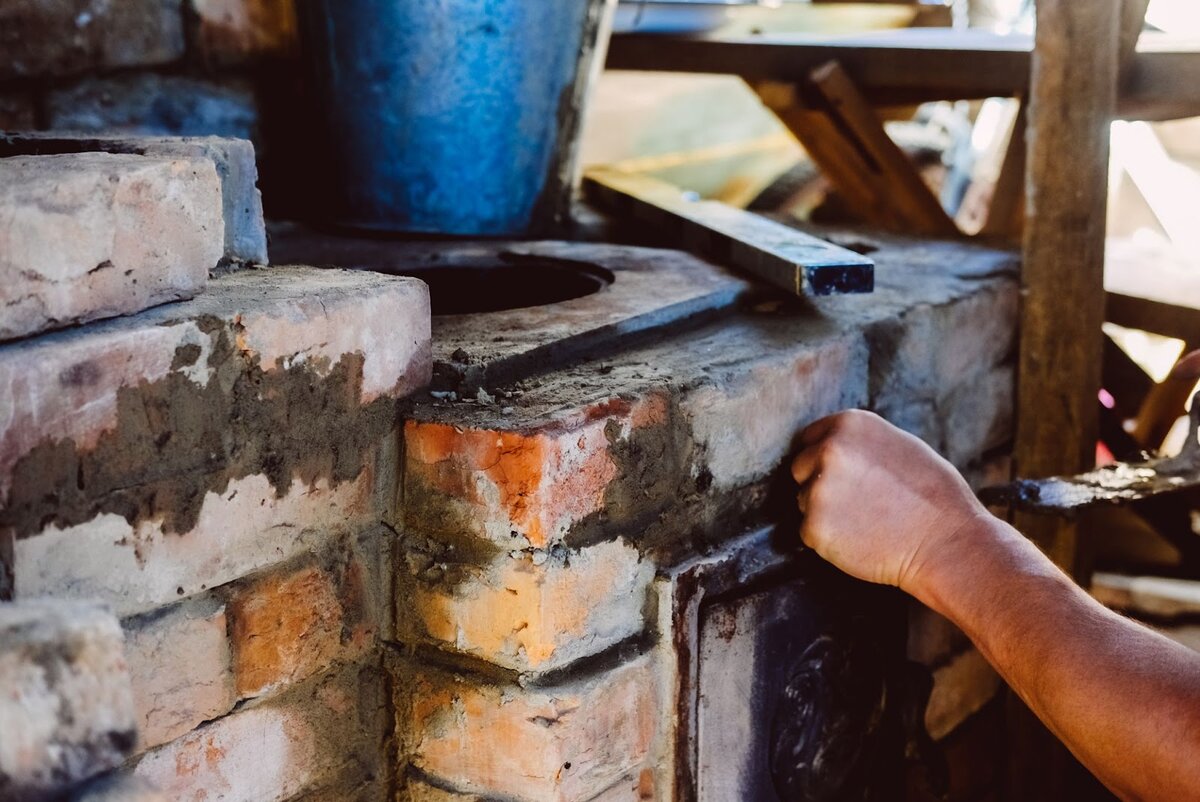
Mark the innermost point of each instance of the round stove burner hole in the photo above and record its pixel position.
(510, 282)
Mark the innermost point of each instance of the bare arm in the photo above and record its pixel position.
(882, 506)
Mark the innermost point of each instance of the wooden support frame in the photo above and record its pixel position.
(846, 139)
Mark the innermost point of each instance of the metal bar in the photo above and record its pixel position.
(1119, 483)
(782, 256)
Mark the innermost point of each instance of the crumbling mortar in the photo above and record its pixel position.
(175, 441)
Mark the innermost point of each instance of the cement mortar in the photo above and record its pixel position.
(175, 442)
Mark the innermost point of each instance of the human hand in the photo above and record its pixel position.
(879, 503)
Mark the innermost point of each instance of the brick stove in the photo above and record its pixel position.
(598, 590)
(567, 570)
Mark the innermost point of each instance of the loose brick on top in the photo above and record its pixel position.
(93, 235)
(58, 37)
(527, 610)
(194, 444)
(66, 710)
(234, 159)
(567, 743)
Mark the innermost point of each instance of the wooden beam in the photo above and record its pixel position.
(1006, 213)
(846, 139)
(1071, 105)
(789, 259)
(1072, 102)
(919, 64)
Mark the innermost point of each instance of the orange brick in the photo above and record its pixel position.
(529, 611)
(492, 483)
(288, 625)
(570, 742)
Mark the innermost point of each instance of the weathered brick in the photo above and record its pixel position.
(321, 735)
(960, 688)
(516, 487)
(118, 787)
(529, 610)
(744, 422)
(93, 235)
(149, 103)
(196, 443)
(234, 160)
(930, 350)
(979, 415)
(66, 711)
(237, 30)
(297, 620)
(180, 663)
(570, 742)
(56, 37)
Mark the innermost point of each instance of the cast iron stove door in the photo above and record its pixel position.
(800, 681)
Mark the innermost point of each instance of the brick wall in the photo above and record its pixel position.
(328, 594)
(165, 67)
(218, 471)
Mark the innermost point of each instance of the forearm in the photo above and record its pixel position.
(1125, 700)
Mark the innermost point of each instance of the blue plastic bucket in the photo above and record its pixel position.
(446, 116)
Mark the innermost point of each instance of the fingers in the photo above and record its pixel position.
(816, 431)
(806, 464)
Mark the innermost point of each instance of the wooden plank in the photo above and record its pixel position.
(918, 65)
(1072, 100)
(907, 64)
(1133, 20)
(1156, 316)
(1006, 213)
(847, 141)
(893, 175)
(1164, 404)
(793, 261)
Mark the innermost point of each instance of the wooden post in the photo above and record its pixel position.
(1072, 102)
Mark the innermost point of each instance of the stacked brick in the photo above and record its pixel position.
(217, 470)
(158, 67)
(544, 546)
(322, 601)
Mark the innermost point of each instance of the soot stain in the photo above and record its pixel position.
(176, 441)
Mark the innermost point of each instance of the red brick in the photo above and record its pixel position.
(516, 487)
(236, 30)
(527, 611)
(234, 159)
(565, 743)
(85, 236)
(292, 623)
(180, 664)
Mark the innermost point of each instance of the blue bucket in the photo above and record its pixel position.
(449, 116)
